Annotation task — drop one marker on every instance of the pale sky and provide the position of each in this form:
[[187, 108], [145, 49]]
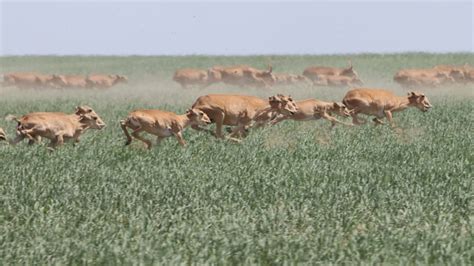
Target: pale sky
[[234, 28]]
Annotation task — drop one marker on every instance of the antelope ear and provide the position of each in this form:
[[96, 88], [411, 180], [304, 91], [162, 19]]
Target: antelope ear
[[411, 94], [79, 110], [190, 112], [270, 69], [276, 98]]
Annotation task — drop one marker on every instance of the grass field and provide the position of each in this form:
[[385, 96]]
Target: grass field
[[294, 193]]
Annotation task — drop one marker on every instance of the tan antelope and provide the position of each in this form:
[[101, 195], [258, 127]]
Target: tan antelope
[[55, 126], [162, 124], [188, 77], [317, 73], [242, 76], [105, 81], [242, 111], [312, 109], [382, 103]]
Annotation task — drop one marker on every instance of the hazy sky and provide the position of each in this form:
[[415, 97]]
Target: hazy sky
[[206, 27]]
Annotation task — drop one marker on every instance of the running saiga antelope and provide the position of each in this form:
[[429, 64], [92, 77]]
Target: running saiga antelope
[[313, 109], [161, 124], [56, 126], [242, 111], [382, 103]]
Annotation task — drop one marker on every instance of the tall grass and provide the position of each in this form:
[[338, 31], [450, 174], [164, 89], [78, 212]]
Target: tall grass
[[293, 193]]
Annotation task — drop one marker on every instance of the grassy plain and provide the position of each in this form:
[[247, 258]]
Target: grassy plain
[[294, 193]]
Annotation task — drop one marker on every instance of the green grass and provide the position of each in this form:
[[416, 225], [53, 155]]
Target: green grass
[[294, 193]]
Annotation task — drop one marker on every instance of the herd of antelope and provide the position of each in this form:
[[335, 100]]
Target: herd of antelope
[[436, 76], [245, 76], [319, 76], [239, 112], [32, 80]]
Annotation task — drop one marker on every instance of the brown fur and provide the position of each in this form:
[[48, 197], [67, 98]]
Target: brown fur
[[55, 82], [315, 73], [56, 126], [422, 81], [338, 81], [469, 74], [289, 79], [241, 111], [409, 78], [161, 124], [381, 103], [105, 81], [75, 81], [187, 77], [26, 80], [313, 109], [458, 73], [242, 76]]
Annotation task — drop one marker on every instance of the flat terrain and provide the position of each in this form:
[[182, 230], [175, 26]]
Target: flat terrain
[[296, 192]]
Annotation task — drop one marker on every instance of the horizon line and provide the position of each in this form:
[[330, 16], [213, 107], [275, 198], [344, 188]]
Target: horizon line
[[244, 55]]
